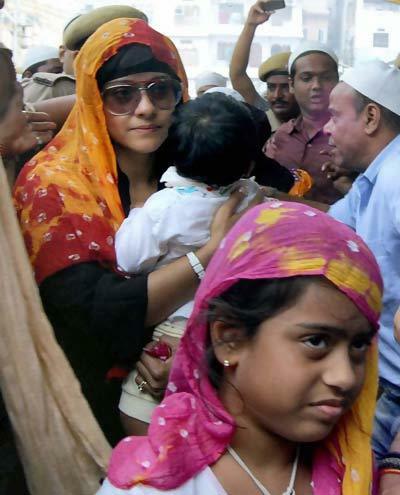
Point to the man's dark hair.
(334, 64)
(213, 139)
(391, 120)
(8, 84)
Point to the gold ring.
(142, 385)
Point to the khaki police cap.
(81, 27)
(276, 63)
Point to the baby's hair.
(213, 139)
(247, 304)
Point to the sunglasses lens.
(121, 99)
(165, 94)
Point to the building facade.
(377, 33)
(25, 23)
(205, 31)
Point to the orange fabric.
(303, 183)
(67, 196)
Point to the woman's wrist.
(196, 264)
(390, 462)
(205, 253)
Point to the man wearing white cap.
(313, 70)
(226, 91)
(44, 75)
(41, 59)
(207, 80)
(365, 127)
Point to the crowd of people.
(220, 272)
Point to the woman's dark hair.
(131, 59)
(8, 84)
(213, 139)
(247, 304)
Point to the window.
(147, 7)
(381, 40)
(255, 55)
(281, 16)
(279, 48)
(189, 53)
(231, 13)
(187, 14)
(225, 50)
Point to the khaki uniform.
(274, 122)
(45, 85)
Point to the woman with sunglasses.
(72, 197)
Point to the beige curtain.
(62, 448)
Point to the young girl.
(273, 386)
(214, 143)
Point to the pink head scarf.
(191, 429)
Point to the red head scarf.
(67, 196)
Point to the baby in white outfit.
(214, 142)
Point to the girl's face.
(145, 127)
(302, 371)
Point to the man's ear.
(372, 118)
(61, 53)
(291, 85)
(227, 341)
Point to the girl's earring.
(226, 363)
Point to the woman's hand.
(226, 216)
(390, 483)
(153, 371)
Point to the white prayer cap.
(210, 79)
(40, 53)
(311, 46)
(226, 91)
(378, 81)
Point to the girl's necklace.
(289, 490)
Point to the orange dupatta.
(67, 196)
